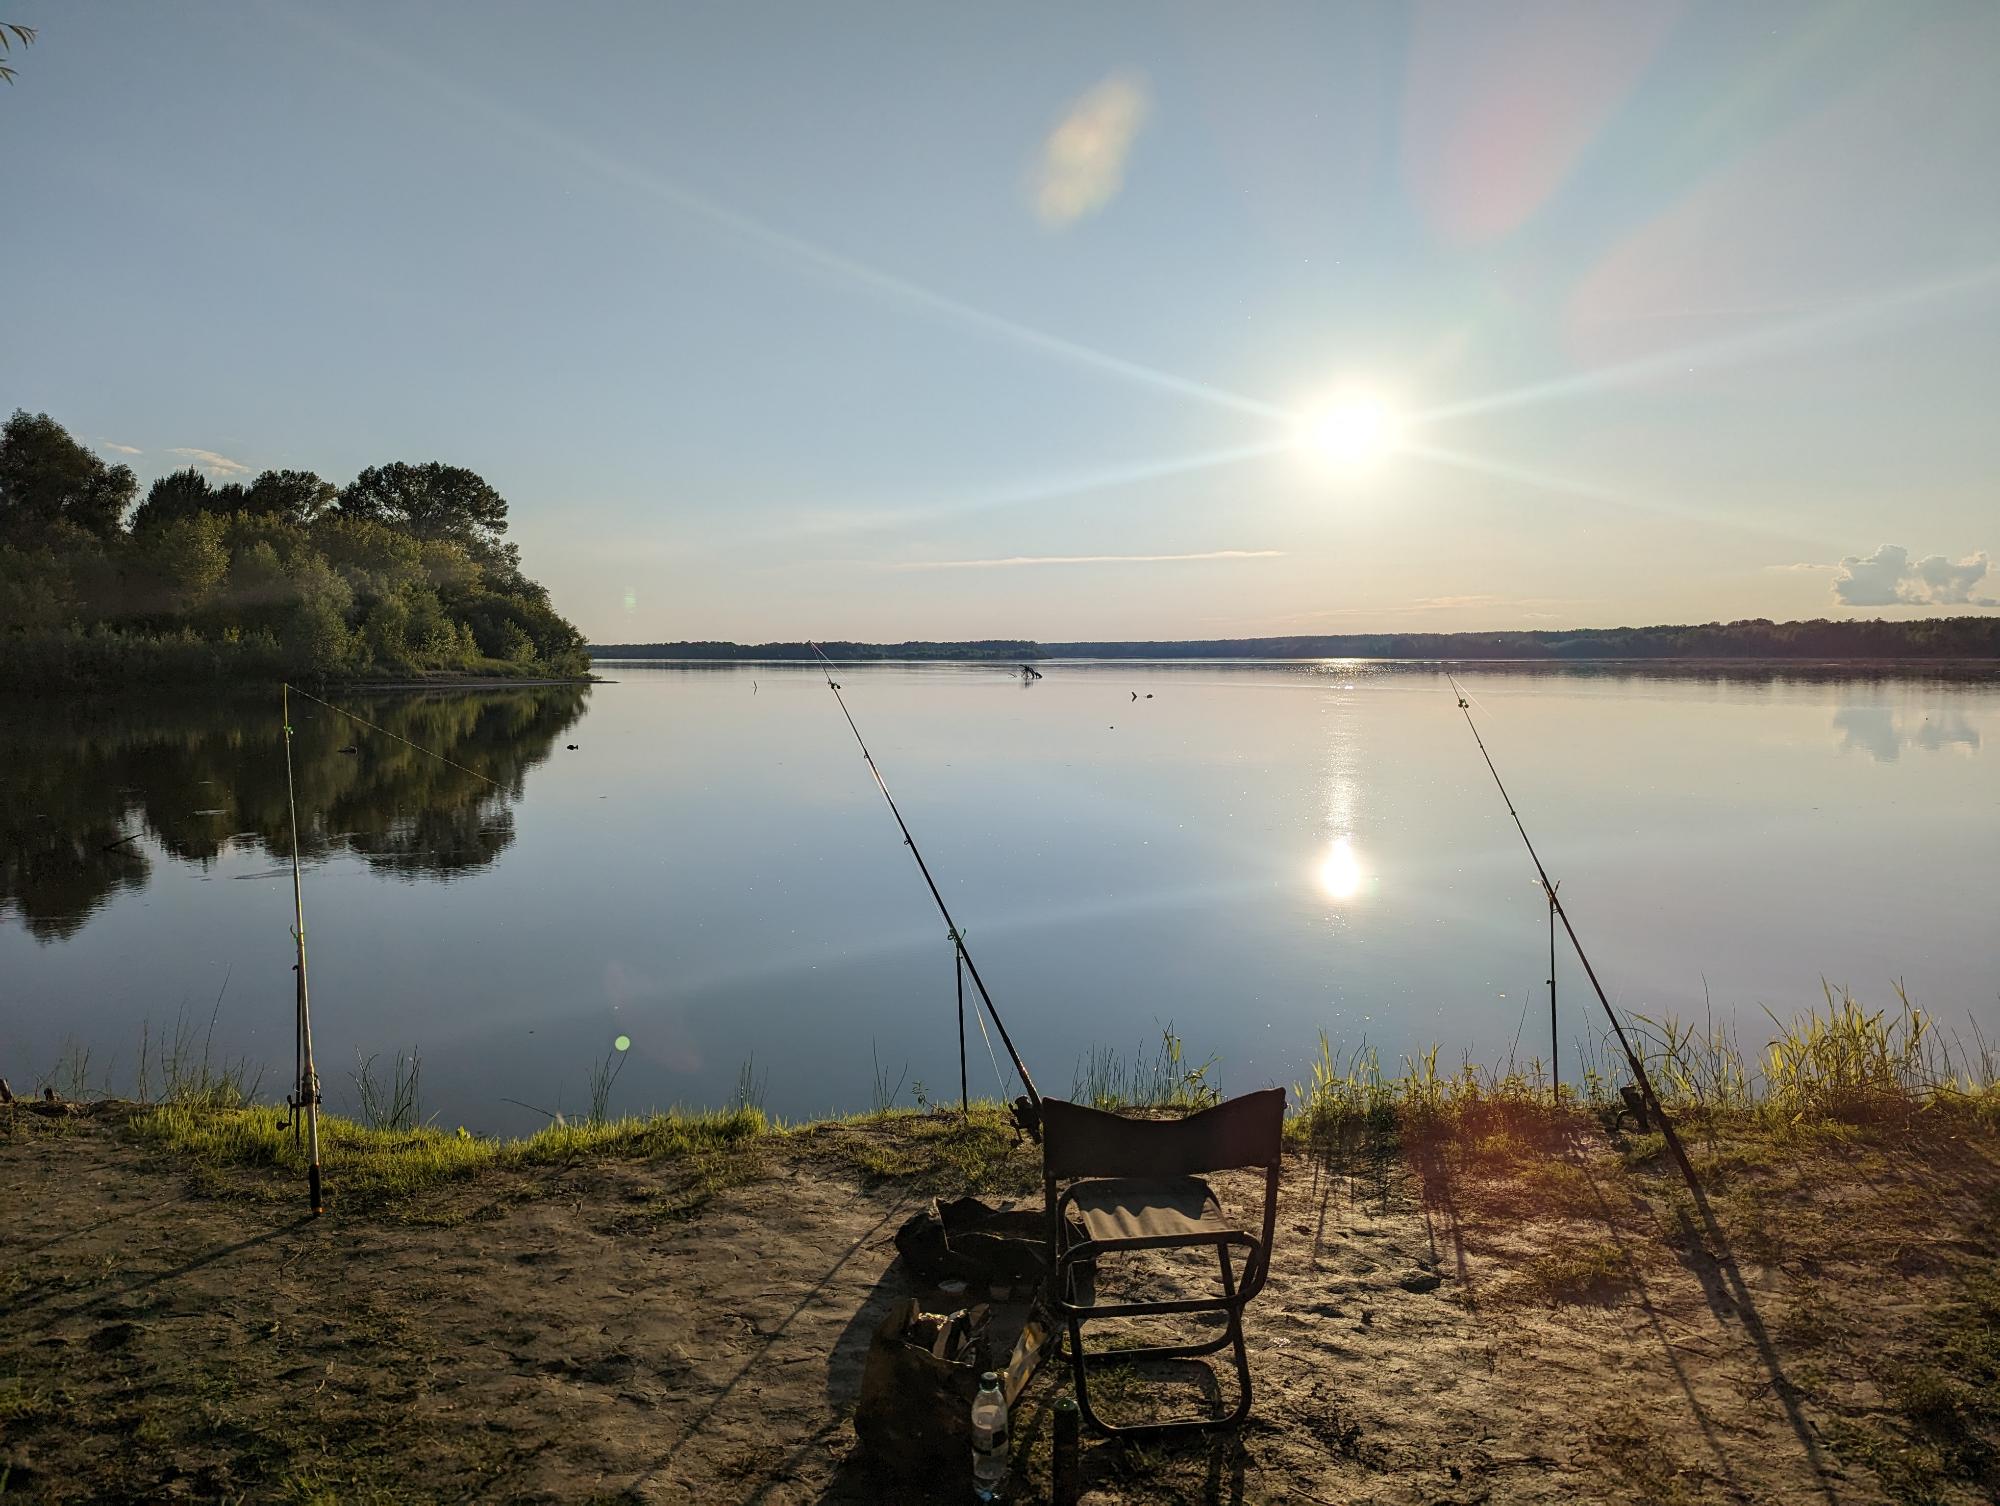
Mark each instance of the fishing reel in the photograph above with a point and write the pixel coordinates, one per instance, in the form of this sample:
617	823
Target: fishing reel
1027	1117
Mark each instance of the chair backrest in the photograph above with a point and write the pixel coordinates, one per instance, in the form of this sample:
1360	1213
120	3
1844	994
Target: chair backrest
1086	1142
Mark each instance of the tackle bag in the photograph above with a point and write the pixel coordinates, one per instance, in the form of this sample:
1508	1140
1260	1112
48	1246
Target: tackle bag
980	1245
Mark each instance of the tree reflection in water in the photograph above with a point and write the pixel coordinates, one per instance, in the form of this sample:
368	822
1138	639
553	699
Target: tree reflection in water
87	785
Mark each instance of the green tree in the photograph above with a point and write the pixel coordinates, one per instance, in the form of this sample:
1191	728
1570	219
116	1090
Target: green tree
428	501
172	498
315	634
295	496
190	560
46	477
406	571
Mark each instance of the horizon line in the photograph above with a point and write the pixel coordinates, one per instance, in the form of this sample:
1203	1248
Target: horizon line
1387	632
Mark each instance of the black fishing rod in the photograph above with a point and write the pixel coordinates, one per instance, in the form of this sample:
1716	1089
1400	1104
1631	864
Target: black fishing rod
1034	1099
1639	1075
305	1092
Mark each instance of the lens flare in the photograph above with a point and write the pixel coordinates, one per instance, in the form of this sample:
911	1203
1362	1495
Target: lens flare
623	1043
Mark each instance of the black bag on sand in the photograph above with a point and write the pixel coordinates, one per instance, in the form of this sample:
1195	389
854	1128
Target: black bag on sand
915	1411
976	1243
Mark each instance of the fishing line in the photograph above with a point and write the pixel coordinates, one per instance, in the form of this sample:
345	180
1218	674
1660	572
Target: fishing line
999	1079
351	716
1034	1098
979	1019
1639	1075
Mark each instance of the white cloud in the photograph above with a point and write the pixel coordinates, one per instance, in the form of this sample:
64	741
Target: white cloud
1087	559
1890	578
1883	732
208	460
122	449
1082	164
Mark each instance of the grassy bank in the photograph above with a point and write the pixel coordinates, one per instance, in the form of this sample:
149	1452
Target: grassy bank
1830	1068
1840	1063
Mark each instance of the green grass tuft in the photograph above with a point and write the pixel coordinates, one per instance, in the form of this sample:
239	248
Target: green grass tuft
1577	1273
935	1151
374	1166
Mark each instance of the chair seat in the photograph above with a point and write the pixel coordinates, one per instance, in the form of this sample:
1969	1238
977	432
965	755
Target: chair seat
1146	1208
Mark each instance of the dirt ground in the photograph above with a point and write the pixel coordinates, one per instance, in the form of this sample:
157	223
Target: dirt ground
1559	1327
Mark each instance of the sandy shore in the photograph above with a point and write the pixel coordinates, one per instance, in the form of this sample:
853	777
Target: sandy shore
1528	1329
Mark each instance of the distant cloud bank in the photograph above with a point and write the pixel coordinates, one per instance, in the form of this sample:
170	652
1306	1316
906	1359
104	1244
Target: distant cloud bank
208	460
1890	578
123	449
1087	559
1082	164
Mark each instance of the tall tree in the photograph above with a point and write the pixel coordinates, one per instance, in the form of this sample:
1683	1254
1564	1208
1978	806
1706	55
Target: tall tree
172	498
429	501
47	477
295	496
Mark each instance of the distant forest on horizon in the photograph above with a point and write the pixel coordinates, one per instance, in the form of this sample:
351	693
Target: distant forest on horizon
1928	638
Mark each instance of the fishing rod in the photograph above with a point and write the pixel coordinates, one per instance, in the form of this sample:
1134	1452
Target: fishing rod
305	1091
304	1100
1639	1074
1032	1104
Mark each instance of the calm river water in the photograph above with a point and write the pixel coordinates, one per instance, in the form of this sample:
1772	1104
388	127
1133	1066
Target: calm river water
1254	852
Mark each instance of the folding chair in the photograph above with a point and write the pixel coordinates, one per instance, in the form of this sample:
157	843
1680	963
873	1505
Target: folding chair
1133	1185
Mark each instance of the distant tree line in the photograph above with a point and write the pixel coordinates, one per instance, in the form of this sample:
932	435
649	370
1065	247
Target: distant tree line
1017	650
1755	638
1752	638
403	570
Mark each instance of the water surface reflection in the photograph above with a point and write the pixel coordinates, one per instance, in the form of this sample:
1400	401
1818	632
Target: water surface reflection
1254	851
92	791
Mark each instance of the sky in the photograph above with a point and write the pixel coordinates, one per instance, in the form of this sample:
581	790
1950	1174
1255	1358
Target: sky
888	321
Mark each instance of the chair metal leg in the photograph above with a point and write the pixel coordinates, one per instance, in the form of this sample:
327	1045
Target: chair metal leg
1236	1334
1233	1337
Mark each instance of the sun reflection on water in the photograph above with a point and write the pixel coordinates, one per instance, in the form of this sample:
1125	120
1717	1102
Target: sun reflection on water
1340	872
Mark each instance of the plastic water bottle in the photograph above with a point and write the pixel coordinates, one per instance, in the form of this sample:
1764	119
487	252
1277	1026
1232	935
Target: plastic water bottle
989	1438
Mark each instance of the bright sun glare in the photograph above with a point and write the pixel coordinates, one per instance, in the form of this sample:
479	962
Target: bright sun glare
1353	431
1340	872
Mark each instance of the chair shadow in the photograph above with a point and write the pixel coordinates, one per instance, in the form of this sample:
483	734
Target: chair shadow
1435	1183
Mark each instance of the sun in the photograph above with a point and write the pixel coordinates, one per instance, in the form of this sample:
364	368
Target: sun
1352	431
